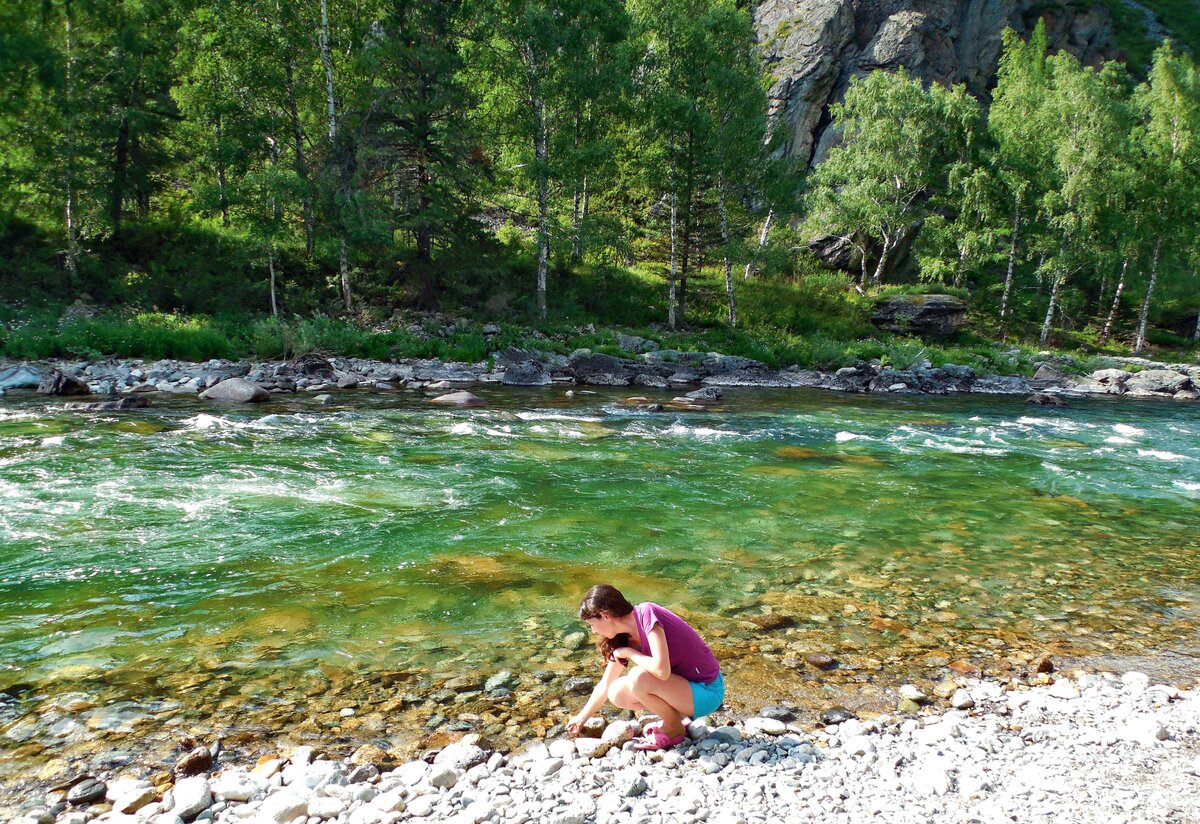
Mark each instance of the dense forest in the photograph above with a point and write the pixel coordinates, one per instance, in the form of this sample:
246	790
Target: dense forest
574	158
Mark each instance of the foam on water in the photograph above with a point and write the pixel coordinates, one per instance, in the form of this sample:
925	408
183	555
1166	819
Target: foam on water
204	421
1187	486
1126	429
843	437
960	448
558	416
1162	455
1061	424
680	430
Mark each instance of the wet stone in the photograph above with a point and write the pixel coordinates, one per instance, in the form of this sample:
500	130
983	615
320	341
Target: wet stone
87	791
836	715
578	686
778	713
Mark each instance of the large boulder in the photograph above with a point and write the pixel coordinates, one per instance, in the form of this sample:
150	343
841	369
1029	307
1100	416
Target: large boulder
526	373
313	365
58	383
236	390
1164	381
600	370
934	316
20	377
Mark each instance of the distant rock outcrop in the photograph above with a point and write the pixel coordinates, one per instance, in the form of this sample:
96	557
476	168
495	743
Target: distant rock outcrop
813	47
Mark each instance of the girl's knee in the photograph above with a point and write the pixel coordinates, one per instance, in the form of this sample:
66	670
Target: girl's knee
619	694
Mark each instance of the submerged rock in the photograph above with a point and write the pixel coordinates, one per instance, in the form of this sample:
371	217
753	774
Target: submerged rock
236	390
1044	399
130	402
457	399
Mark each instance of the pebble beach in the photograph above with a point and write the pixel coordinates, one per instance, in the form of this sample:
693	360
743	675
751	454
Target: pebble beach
1079	747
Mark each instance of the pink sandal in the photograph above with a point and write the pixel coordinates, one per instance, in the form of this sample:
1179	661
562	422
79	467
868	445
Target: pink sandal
657	740
653	728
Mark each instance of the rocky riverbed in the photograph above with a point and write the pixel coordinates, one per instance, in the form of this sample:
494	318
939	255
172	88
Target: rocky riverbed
121	382
1079	747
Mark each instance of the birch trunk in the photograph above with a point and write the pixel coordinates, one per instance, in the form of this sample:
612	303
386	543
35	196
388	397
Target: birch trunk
344	274
1116	301
580	209
543	198
271	269
1140	343
301	163
327	62
1058	282
70	216
671	275
725	250
1008	277
223	198
877	278
762	241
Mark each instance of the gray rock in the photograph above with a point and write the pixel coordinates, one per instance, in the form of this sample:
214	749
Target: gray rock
1158	380
20	377
461	755
235	390
457	399
443	777
599	370
134	800
283	807
526	373
123	405
578	685
58	384
1001	385
192	796
504	678
934	316
635	344
815	47
86	791
708	394
635	788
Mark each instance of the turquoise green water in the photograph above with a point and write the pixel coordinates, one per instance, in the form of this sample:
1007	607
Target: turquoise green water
190	560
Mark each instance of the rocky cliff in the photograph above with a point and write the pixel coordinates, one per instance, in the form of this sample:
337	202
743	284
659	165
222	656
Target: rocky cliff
814	47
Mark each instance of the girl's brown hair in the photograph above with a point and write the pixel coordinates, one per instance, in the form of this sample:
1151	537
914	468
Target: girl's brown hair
600	599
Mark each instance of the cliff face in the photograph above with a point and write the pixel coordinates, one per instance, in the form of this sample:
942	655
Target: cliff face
814	47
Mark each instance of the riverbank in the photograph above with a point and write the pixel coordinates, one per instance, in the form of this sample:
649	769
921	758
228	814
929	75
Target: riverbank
1079	747
659	370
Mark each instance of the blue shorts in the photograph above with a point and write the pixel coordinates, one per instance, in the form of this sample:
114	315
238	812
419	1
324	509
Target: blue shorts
707	697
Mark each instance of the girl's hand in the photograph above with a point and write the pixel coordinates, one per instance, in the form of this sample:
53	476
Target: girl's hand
576	724
624	654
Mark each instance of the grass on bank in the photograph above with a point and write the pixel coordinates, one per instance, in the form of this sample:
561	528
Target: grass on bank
812	322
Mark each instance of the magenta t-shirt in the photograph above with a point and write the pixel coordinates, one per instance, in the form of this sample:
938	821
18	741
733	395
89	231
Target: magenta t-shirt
690	656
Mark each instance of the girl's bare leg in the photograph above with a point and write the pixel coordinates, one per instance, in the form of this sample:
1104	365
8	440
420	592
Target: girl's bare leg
670	700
